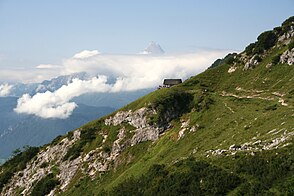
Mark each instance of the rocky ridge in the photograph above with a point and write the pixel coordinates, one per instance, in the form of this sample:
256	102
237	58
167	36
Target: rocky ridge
39	167
97	160
287	57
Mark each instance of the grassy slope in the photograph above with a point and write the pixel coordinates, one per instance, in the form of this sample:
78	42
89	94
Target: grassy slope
226	121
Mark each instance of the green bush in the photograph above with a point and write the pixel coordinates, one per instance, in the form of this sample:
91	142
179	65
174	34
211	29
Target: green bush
276	59
171	105
44	165
286	25
56	140
291	45
45	185
216	63
288	186
267	170
265	41
288	21
249	48
106	149
5	177
203	103
257	58
278	30
229	59
271	107
189	177
74	151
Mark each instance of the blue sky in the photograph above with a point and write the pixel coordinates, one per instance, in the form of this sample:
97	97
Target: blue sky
35	32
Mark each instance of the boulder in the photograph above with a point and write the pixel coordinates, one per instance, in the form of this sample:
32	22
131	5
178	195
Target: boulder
287	57
251	63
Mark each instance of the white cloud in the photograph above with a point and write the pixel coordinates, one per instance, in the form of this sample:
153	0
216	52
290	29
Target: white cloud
139	71
57	104
47	66
5	90
28	75
184	65
132	72
144	52
86	54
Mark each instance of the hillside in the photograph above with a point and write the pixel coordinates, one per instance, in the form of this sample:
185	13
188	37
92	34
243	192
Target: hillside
228	130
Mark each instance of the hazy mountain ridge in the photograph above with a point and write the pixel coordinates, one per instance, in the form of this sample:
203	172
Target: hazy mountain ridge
18	130
56	83
228	130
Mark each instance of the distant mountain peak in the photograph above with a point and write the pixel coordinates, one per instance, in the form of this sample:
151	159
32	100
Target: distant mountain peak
57	82
153	48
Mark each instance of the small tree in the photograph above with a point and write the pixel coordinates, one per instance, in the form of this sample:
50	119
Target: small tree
276	59
249	48
265	41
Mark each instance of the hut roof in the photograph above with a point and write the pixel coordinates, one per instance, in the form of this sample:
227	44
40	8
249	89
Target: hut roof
172	81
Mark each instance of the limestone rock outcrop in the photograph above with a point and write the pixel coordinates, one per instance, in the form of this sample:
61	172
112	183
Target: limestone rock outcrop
287	57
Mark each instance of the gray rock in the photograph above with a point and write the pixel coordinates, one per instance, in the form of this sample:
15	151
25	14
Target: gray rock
145	134
67	171
287	57
233	147
137	118
116	146
286	36
251	63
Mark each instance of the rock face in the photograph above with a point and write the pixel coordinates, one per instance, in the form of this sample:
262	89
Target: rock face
96	161
287	57
251	63
138	119
67	171
286	36
34	170
146	134
117	147
100	161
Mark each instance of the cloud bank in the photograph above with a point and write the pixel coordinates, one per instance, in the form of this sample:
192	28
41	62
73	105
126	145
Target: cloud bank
5	90
131	72
140	71
57	104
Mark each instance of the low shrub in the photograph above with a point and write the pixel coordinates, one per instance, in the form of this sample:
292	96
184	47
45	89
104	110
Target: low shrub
191	177
291	45
276	59
45	185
